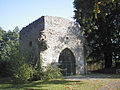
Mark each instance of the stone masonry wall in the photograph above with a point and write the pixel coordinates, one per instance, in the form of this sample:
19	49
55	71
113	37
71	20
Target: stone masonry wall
58	34
29	35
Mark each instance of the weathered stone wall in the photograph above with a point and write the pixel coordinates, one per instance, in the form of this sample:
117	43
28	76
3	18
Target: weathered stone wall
29	38
58	34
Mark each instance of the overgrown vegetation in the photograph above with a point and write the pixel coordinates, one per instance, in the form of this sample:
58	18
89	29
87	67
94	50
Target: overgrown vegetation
49	73
19	67
21	71
52	73
9	45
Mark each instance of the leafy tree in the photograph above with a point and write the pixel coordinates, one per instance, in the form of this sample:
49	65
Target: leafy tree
100	24
9	46
1	42
8	41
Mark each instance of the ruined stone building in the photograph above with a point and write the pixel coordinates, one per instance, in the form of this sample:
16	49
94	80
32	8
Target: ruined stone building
57	40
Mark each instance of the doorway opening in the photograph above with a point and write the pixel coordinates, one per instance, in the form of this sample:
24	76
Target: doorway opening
67	62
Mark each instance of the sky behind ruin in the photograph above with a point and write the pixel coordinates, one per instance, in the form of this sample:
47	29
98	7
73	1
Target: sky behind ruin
22	12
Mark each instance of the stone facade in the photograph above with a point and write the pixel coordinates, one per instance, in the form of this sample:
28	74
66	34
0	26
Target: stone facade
49	36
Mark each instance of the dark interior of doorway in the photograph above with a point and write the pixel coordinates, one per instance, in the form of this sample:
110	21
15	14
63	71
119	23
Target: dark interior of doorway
67	62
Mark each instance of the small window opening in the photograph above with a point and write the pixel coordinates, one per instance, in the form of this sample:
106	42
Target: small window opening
30	43
66	37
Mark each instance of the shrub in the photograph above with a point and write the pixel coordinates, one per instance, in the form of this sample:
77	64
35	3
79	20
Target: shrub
37	75
51	73
21	71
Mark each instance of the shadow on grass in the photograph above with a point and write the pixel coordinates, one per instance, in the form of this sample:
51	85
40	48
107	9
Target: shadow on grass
5	83
4	80
59	81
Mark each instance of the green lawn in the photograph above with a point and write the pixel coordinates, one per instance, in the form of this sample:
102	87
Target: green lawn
58	84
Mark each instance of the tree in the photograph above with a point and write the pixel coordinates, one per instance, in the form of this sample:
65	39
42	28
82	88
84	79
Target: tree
100	23
8	41
2	42
9	47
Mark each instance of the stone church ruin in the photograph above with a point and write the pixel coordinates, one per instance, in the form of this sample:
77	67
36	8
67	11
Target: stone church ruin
58	41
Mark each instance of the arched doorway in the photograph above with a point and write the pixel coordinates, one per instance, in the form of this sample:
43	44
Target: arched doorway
67	62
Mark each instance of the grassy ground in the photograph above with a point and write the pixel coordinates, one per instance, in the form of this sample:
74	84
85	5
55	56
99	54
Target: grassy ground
59	84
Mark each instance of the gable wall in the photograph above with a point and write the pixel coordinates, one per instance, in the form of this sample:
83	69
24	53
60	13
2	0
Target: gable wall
58	33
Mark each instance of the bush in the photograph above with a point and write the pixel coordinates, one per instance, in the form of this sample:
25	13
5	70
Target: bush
21	71
37	75
51	73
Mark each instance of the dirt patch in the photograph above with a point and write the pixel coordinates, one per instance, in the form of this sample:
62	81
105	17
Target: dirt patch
94	76
111	86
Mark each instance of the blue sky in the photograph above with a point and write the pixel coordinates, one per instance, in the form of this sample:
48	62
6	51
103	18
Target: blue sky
22	12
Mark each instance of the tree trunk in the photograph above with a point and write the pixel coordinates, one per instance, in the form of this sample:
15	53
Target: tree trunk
108	59
117	64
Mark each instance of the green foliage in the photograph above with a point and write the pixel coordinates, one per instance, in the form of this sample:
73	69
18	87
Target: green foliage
8	42
12	62
99	20
19	67
37	75
92	66
21	71
9	45
46	73
51	73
